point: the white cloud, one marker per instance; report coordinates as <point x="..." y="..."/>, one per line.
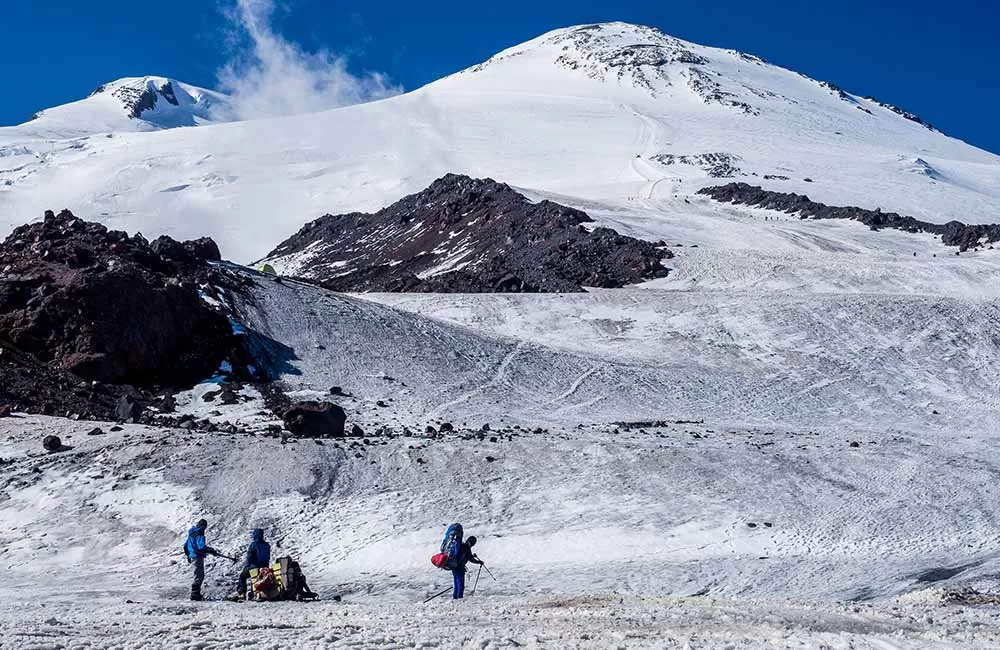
<point x="270" y="76"/>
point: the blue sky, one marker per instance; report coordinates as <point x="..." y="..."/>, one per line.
<point x="937" y="59"/>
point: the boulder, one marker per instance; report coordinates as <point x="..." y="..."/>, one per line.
<point x="4" y="411"/>
<point x="315" y="420"/>
<point x="128" y="409"/>
<point x="51" y="443"/>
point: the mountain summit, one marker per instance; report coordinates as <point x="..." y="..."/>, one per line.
<point x="621" y="121"/>
<point x="132" y="104"/>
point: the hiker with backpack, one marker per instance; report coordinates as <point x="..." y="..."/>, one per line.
<point x="455" y="555"/>
<point x="197" y="549"/>
<point x="258" y="556"/>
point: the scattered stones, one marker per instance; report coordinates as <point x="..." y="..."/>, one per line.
<point x="187" y="424"/>
<point x="115" y="428"/>
<point x="485" y="427"/>
<point x="357" y="431"/>
<point x="51" y="443"/>
<point x="430" y="430"/>
<point x="855" y="444"/>
<point x="336" y="390"/>
<point x="381" y="404"/>
<point x="315" y="420"/>
<point x="446" y="427"/>
<point x="4" y="411"/>
<point x="228" y="396"/>
<point x="490" y="459"/>
<point x="96" y="431"/>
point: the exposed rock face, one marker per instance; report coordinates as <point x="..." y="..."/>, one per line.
<point x="467" y="235"/>
<point x="108" y="307"/>
<point x="953" y="233"/>
<point x="716" y="165"/>
<point x="27" y="384"/>
<point x="139" y="97"/>
<point x="315" y="420"/>
<point x="913" y="117"/>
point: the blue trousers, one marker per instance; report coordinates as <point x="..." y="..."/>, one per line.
<point x="459" y="576"/>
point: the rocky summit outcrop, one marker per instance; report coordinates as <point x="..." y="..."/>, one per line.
<point x="953" y="233"/>
<point x="467" y="235"/>
<point x="109" y="308"/>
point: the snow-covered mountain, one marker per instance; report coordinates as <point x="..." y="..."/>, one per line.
<point x="126" y="105"/>
<point x="802" y="410"/>
<point x="612" y="118"/>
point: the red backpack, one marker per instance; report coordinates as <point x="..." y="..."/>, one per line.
<point x="265" y="586"/>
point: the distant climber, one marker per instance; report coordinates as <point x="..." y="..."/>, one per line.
<point x="258" y="556"/>
<point x="197" y="549"/>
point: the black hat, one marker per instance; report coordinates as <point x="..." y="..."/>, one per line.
<point x="202" y="523"/>
<point x="471" y="541"/>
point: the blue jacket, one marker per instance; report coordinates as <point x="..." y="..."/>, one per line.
<point x="196" y="546"/>
<point x="259" y="551"/>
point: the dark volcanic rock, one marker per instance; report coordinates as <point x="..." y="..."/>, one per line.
<point x="51" y="443"/>
<point x="128" y="409"/>
<point x="953" y="233"/>
<point x="315" y="420"/>
<point x="27" y="384"/>
<point x="108" y="307"/>
<point x="468" y="235"/>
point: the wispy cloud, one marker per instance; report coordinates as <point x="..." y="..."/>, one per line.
<point x="269" y="75"/>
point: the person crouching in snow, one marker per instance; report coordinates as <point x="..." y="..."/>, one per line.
<point x="258" y="557"/>
<point x="197" y="549"/>
<point x="465" y="556"/>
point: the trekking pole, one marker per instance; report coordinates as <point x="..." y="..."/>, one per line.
<point x="483" y="565"/>
<point x="478" y="573"/>
<point x="438" y="594"/>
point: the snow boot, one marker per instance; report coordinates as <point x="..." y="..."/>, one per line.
<point x="196" y="592"/>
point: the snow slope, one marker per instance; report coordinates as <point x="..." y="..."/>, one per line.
<point x="614" y="115"/>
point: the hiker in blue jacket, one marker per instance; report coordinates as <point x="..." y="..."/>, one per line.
<point x="258" y="557"/>
<point x="465" y="556"/>
<point x="197" y="549"/>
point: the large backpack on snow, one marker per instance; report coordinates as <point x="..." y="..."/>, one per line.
<point x="451" y="548"/>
